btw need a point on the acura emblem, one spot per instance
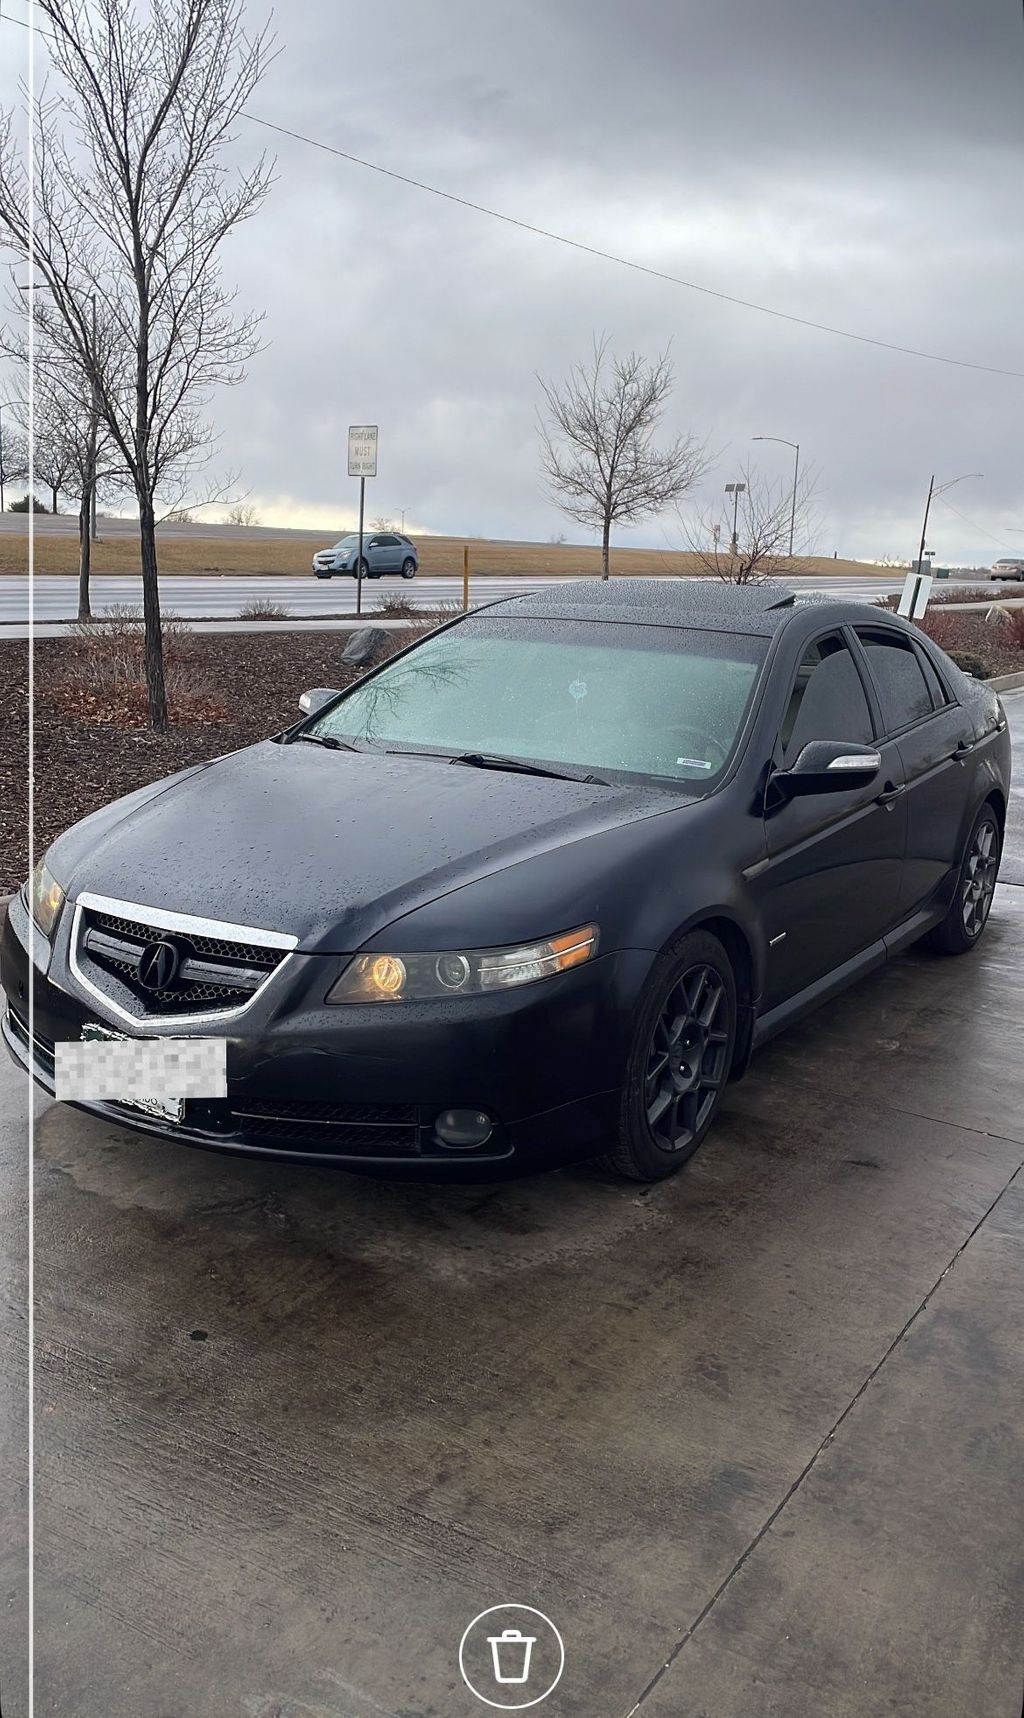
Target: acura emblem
(158, 966)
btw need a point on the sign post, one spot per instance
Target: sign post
(362, 463)
(916, 591)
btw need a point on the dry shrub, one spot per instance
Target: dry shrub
(101, 676)
(394, 606)
(977, 646)
(263, 608)
(1013, 622)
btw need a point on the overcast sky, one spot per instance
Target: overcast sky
(859, 164)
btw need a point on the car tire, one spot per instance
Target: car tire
(408, 568)
(679, 1061)
(322, 575)
(961, 929)
(365, 569)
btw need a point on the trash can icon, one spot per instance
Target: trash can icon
(511, 1653)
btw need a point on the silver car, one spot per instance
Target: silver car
(383, 552)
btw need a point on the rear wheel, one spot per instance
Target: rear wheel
(968, 912)
(408, 568)
(680, 1058)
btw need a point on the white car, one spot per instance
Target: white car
(1008, 569)
(383, 552)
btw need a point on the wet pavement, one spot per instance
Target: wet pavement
(748, 1438)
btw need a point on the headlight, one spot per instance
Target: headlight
(431, 977)
(44, 898)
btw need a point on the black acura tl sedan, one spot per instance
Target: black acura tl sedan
(534, 889)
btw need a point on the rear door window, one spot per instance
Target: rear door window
(902, 688)
(940, 697)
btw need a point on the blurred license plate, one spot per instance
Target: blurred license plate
(166, 1109)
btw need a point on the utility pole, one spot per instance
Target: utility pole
(796, 479)
(924, 527)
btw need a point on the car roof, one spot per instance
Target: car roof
(707, 604)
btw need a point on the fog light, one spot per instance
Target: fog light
(462, 1129)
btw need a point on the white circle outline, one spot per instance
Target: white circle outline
(499, 1705)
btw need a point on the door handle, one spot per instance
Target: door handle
(962, 750)
(890, 794)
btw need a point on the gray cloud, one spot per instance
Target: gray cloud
(858, 165)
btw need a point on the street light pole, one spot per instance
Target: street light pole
(735, 490)
(93, 430)
(932, 493)
(795, 445)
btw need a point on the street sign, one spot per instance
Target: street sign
(362, 450)
(916, 591)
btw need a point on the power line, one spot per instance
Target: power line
(972, 523)
(627, 262)
(611, 256)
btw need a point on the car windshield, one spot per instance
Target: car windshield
(641, 700)
(348, 542)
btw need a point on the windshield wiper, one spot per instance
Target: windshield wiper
(328, 740)
(494, 761)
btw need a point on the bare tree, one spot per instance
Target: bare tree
(52, 455)
(132, 205)
(768, 516)
(381, 523)
(597, 450)
(73, 451)
(242, 513)
(13, 454)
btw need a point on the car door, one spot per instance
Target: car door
(375, 555)
(392, 554)
(935, 738)
(829, 887)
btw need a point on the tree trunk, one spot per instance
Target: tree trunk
(84, 557)
(604, 546)
(151, 615)
(53, 493)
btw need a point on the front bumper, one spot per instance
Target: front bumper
(358, 1087)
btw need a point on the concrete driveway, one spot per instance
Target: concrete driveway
(750, 1439)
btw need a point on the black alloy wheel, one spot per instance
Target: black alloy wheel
(961, 929)
(686, 1061)
(979, 884)
(682, 1053)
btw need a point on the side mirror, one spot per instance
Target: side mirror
(828, 766)
(312, 701)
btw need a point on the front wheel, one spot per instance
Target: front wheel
(679, 1061)
(968, 912)
(361, 570)
(321, 575)
(409, 568)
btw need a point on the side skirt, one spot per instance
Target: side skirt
(823, 989)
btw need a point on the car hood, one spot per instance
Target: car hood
(329, 846)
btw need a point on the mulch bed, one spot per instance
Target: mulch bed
(81, 765)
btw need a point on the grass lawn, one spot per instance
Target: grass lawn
(289, 555)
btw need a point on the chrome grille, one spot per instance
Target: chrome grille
(212, 973)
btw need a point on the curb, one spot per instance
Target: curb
(1005, 682)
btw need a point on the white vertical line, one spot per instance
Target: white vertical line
(31, 861)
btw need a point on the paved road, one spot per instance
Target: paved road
(223, 595)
